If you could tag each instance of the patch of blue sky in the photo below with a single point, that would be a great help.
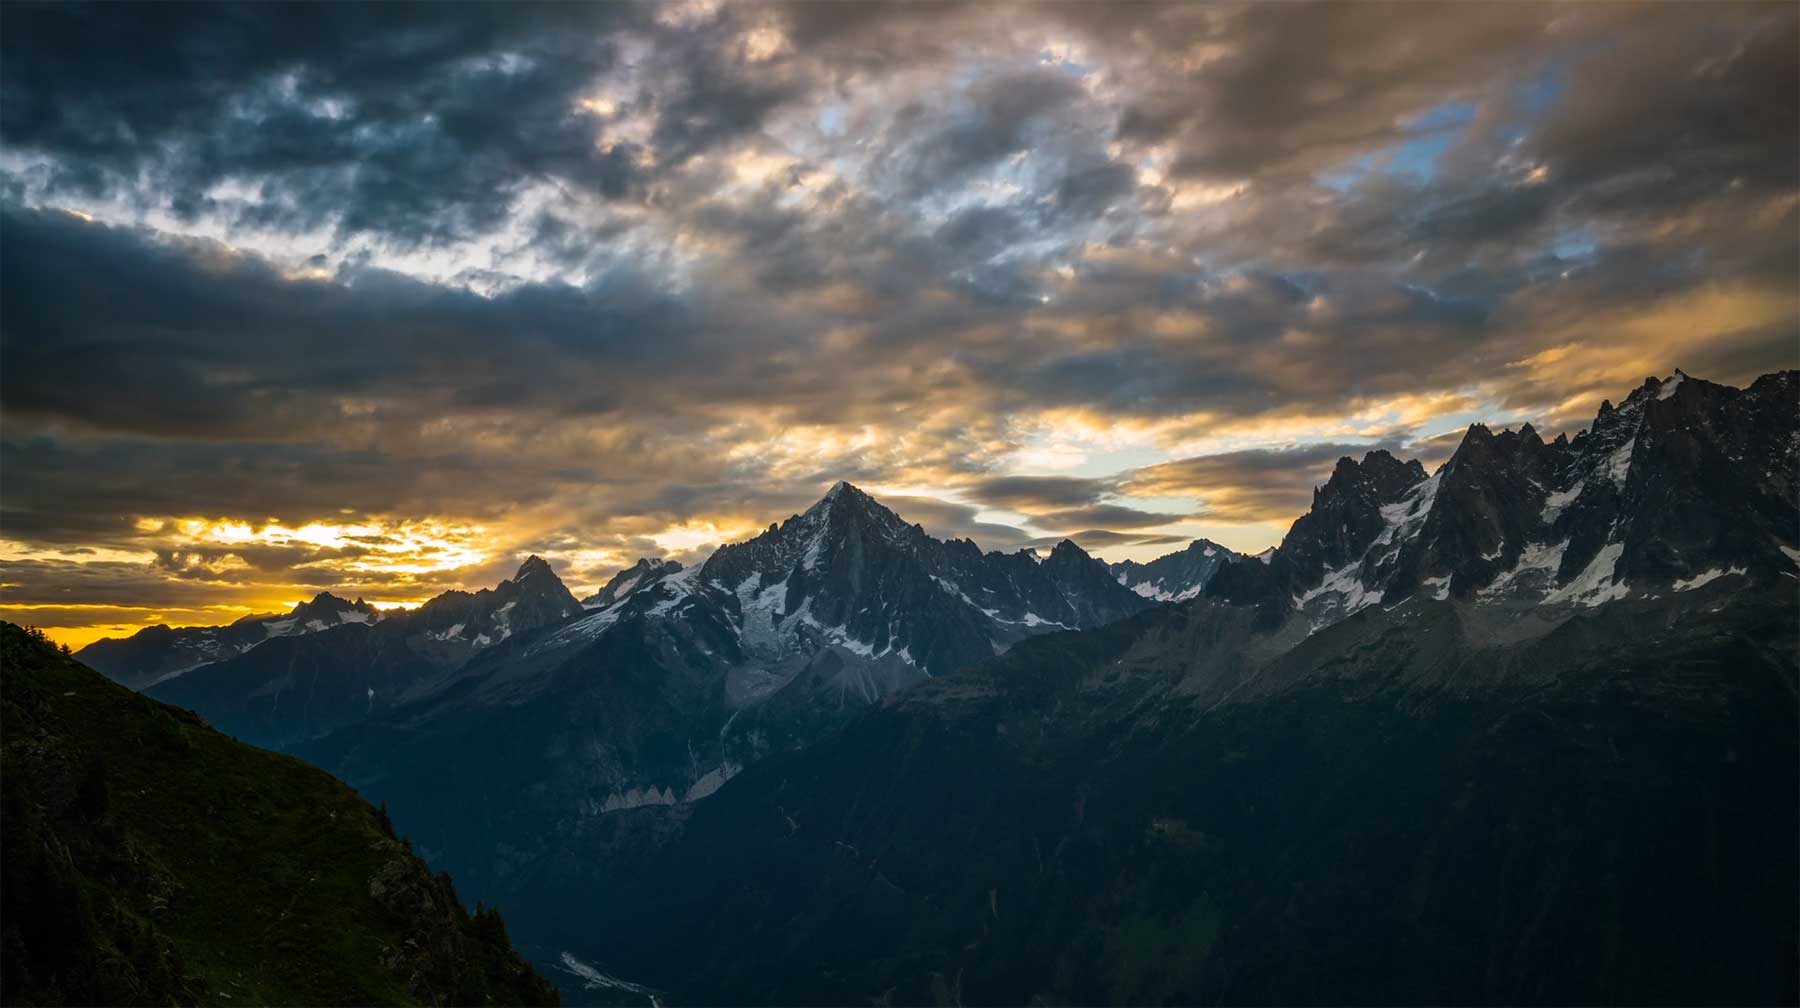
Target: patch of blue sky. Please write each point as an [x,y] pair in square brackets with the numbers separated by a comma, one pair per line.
[1063,63]
[1344,177]
[1430,133]
[1435,130]
[1578,243]
[1445,115]
[1542,91]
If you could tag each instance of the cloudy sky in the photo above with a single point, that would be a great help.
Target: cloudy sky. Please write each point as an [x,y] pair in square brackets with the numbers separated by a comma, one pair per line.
[379,298]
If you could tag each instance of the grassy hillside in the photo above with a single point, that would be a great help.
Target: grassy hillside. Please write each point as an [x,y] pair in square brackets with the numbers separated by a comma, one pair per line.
[151,859]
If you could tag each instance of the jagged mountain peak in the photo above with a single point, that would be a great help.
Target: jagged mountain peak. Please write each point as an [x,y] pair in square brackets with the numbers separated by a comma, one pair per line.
[331,609]
[646,572]
[852,577]
[1378,475]
[533,564]
[1482,446]
[1683,483]
[840,488]
[323,599]
[844,501]
[533,597]
[647,564]
[1177,576]
[843,522]
[536,578]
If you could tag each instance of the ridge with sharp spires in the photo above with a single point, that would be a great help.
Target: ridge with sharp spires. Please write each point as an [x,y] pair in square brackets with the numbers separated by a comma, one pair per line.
[1659,493]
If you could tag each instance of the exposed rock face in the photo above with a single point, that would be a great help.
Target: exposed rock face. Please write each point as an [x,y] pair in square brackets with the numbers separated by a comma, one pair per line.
[1346,515]
[857,570]
[642,574]
[1175,577]
[465,622]
[1685,482]
[684,678]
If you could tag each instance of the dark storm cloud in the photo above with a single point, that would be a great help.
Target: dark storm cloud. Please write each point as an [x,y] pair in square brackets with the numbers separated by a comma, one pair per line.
[1065,502]
[1040,493]
[381,119]
[97,583]
[1113,516]
[1254,485]
[1099,539]
[946,520]
[1276,89]
[65,491]
[1658,120]
[999,116]
[108,327]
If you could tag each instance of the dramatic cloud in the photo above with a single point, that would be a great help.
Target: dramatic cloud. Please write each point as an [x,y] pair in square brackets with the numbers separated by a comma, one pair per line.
[377,298]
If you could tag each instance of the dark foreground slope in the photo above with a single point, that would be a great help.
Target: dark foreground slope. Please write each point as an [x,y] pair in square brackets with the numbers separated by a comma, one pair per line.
[150,859]
[1414,806]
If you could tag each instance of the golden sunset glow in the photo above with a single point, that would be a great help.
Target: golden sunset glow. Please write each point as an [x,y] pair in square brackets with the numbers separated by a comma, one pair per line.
[1028,272]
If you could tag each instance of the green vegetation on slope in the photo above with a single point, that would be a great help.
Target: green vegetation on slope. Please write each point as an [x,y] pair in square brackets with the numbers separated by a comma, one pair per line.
[150,859]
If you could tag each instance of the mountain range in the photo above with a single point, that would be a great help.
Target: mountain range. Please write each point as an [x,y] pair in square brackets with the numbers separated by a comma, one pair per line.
[274,680]
[660,696]
[1521,728]
[160,652]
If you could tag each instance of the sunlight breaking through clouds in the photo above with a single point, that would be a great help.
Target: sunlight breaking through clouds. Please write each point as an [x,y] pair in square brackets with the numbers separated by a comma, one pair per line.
[618,280]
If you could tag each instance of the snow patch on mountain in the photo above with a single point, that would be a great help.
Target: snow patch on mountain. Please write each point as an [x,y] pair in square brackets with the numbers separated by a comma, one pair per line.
[1706,578]
[1406,516]
[1618,464]
[1340,594]
[1555,503]
[1535,571]
[1595,585]
[593,979]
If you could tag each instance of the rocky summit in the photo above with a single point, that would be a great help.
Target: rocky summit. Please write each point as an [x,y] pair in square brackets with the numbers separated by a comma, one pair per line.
[1684,483]
[1175,577]
[675,679]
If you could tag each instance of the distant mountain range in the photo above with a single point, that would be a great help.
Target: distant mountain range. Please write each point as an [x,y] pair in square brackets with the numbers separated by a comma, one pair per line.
[279,680]
[316,674]
[1520,730]
[685,676]
[160,652]
[1434,746]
